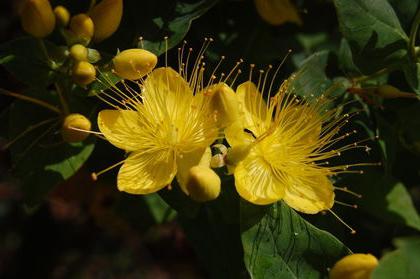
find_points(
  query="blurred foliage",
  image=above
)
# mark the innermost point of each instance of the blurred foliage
(342, 49)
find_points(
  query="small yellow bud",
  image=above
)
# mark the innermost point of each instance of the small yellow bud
(387, 91)
(79, 52)
(355, 266)
(72, 125)
(62, 15)
(277, 12)
(107, 17)
(83, 73)
(203, 184)
(134, 63)
(82, 27)
(37, 18)
(224, 103)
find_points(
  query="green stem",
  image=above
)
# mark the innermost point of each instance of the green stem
(30, 99)
(44, 50)
(62, 98)
(413, 35)
(372, 76)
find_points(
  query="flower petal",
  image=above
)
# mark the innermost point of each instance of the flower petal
(121, 128)
(188, 160)
(310, 194)
(253, 107)
(144, 173)
(256, 182)
(164, 90)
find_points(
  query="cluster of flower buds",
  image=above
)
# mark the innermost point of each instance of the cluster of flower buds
(39, 20)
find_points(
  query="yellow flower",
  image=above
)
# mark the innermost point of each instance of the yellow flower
(355, 266)
(277, 147)
(277, 12)
(165, 128)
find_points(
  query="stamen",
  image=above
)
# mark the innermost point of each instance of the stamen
(352, 231)
(346, 190)
(95, 175)
(346, 204)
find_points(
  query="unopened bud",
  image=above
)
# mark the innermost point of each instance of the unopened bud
(203, 184)
(224, 103)
(217, 161)
(62, 15)
(387, 91)
(277, 12)
(134, 63)
(79, 52)
(37, 18)
(82, 28)
(83, 73)
(107, 17)
(355, 266)
(75, 128)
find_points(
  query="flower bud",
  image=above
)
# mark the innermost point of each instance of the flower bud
(82, 27)
(203, 184)
(37, 18)
(355, 266)
(62, 15)
(79, 52)
(387, 91)
(72, 125)
(223, 101)
(83, 73)
(107, 17)
(134, 63)
(277, 12)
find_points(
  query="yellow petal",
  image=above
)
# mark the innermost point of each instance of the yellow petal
(166, 93)
(253, 108)
(121, 128)
(310, 194)
(147, 172)
(277, 12)
(256, 182)
(235, 134)
(188, 160)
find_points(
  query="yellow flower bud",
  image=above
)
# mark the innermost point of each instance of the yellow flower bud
(134, 63)
(355, 266)
(62, 15)
(223, 101)
(82, 27)
(203, 184)
(277, 12)
(83, 73)
(79, 52)
(107, 17)
(37, 18)
(72, 126)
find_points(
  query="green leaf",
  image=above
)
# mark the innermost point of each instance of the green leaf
(41, 159)
(401, 263)
(412, 75)
(283, 245)
(406, 10)
(374, 33)
(26, 59)
(177, 26)
(311, 78)
(385, 198)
